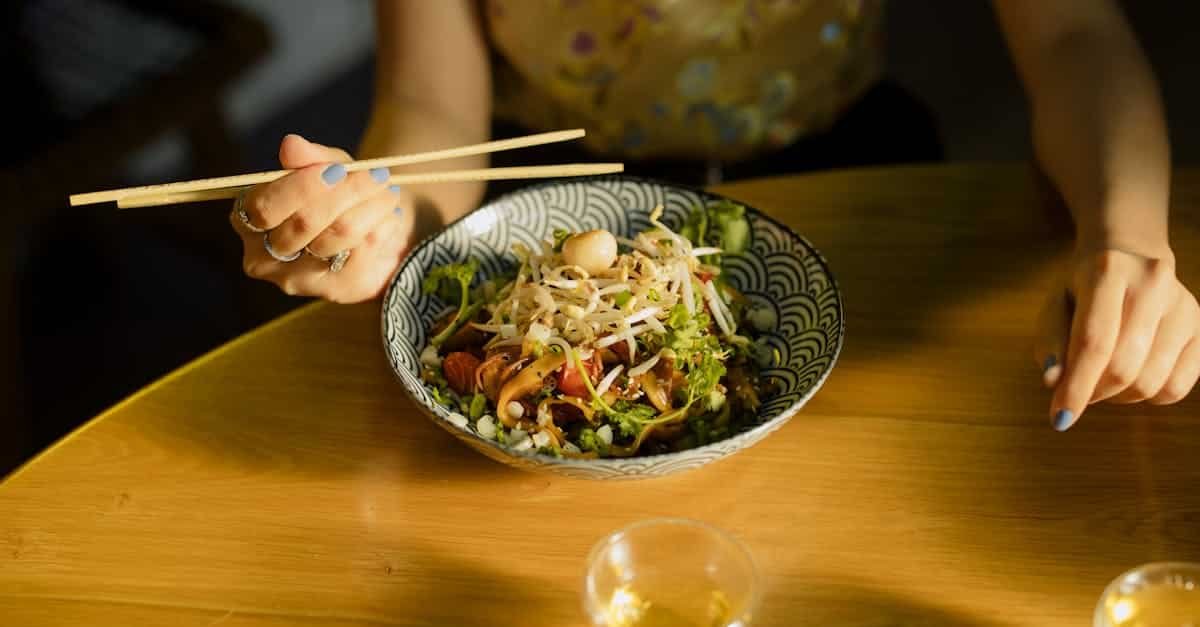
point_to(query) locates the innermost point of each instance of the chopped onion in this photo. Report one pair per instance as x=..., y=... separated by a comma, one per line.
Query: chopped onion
x=645, y=366
x=486, y=427
x=541, y=438
x=457, y=420
x=571, y=448
x=608, y=379
x=429, y=356
x=515, y=409
x=605, y=434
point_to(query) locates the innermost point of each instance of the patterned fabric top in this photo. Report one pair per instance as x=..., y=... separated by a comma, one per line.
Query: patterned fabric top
x=716, y=79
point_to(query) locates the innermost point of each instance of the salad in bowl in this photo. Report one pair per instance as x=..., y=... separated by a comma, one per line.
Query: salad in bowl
x=596, y=345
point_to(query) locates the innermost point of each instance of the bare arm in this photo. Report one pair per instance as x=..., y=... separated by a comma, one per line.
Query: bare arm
x=1098, y=126
x=1129, y=331
x=432, y=90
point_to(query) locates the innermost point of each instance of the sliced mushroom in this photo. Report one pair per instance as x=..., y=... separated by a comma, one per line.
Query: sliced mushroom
x=526, y=382
x=655, y=392
x=489, y=377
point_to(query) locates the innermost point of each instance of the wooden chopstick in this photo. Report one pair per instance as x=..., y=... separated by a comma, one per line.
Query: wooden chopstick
x=242, y=180
x=486, y=174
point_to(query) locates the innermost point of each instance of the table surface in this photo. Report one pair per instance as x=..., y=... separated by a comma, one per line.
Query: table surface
x=285, y=479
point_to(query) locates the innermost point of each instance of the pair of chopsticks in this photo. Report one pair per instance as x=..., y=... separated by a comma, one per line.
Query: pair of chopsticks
x=227, y=187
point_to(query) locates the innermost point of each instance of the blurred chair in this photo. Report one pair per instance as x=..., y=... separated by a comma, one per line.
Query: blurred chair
x=96, y=81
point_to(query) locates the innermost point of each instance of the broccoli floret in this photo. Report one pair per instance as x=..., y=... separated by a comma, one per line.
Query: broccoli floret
x=589, y=441
x=630, y=418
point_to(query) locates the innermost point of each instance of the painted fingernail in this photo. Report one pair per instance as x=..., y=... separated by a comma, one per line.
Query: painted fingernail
x=398, y=210
x=380, y=174
x=1063, y=420
x=395, y=189
x=1051, y=360
x=334, y=173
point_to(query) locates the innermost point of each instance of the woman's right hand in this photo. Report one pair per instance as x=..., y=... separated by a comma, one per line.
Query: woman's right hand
x=318, y=211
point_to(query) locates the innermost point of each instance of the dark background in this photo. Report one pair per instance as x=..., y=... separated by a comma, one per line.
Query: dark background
x=106, y=93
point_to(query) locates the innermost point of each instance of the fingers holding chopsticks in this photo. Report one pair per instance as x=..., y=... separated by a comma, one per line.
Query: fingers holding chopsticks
x=321, y=231
x=315, y=197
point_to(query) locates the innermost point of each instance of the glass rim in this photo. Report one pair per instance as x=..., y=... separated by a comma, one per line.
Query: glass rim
x=726, y=537
x=1152, y=567
x=1149, y=568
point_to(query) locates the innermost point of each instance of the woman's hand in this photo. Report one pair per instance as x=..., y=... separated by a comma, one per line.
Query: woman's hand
x=1122, y=329
x=317, y=212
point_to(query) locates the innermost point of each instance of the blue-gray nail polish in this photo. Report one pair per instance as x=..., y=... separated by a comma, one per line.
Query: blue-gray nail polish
x=398, y=210
x=333, y=174
x=380, y=174
x=395, y=189
x=1050, y=362
x=1063, y=420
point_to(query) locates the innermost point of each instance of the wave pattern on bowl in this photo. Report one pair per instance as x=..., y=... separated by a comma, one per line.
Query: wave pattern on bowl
x=781, y=271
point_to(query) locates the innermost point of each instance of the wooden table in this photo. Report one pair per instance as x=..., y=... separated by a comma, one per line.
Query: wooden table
x=284, y=479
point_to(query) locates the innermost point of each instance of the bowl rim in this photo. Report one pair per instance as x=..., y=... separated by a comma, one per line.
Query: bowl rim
x=616, y=462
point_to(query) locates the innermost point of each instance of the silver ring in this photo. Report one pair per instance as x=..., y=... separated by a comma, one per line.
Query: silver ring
x=276, y=256
x=240, y=209
x=338, y=261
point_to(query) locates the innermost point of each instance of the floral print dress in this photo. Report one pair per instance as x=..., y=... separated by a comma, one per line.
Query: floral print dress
x=693, y=79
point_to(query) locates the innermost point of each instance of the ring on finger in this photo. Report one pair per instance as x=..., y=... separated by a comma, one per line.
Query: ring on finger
x=276, y=256
x=337, y=261
x=239, y=208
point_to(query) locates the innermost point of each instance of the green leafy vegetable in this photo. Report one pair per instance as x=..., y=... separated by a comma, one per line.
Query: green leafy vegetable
x=589, y=441
x=730, y=230
x=442, y=396
x=630, y=418
x=704, y=375
x=721, y=224
x=478, y=406
x=452, y=283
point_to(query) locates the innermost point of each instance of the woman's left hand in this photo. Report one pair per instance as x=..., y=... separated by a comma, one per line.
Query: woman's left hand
x=1122, y=329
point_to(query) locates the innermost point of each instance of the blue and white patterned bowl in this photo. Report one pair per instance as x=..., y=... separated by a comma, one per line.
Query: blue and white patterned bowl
x=781, y=271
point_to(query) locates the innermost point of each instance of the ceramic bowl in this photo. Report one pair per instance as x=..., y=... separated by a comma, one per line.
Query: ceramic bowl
x=780, y=271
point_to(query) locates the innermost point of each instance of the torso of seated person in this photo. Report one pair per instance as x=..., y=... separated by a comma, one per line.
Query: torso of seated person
x=689, y=79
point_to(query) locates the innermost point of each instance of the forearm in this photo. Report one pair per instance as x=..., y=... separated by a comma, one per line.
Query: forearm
x=1098, y=126
x=1099, y=134
x=403, y=127
x=432, y=91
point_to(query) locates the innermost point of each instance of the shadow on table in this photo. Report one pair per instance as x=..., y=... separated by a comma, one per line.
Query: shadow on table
x=426, y=585
x=846, y=604
x=907, y=243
